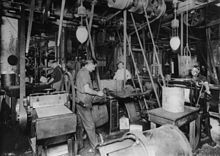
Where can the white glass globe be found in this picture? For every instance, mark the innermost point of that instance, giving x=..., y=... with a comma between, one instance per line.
x=175, y=42
x=81, y=34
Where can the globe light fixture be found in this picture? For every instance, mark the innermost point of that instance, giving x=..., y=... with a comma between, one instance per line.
x=175, y=42
x=82, y=34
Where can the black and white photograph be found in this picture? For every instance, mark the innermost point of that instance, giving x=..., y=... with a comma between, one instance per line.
x=110, y=78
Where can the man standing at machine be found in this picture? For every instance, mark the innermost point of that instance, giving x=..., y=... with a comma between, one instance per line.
x=85, y=95
x=56, y=79
x=197, y=77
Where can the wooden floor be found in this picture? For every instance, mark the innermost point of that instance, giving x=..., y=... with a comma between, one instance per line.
x=205, y=150
x=9, y=141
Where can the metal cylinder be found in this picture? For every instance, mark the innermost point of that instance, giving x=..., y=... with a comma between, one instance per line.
x=8, y=80
x=100, y=115
x=163, y=141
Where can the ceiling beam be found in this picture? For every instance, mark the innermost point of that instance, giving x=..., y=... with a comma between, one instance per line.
x=188, y=5
x=214, y=22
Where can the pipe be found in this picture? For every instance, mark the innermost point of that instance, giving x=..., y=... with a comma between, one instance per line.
x=125, y=45
x=181, y=33
x=61, y=22
x=30, y=21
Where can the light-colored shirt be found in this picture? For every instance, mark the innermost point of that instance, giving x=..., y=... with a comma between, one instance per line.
x=119, y=75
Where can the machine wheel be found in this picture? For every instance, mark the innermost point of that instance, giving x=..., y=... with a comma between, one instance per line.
x=195, y=18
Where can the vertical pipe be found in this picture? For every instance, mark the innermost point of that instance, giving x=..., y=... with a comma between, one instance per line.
x=124, y=44
x=181, y=33
x=62, y=45
x=56, y=47
x=144, y=40
x=30, y=21
x=21, y=40
x=61, y=22
x=92, y=13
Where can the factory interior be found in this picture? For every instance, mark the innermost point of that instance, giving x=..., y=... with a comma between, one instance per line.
x=110, y=77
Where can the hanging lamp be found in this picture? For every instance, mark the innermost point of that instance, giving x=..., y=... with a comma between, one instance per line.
x=81, y=32
x=175, y=40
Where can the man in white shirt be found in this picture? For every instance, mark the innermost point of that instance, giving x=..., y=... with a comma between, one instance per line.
x=119, y=75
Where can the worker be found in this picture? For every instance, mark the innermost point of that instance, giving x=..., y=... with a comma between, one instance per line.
x=85, y=95
x=119, y=75
x=197, y=77
x=144, y=72
x=56, y=79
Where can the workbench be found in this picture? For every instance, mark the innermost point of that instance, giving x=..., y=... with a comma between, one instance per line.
x=125, y=94
x=189, y=116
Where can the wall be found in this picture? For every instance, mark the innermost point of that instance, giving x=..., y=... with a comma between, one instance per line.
x=9, y=35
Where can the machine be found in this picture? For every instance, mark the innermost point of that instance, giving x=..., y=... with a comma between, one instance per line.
x=47, y=120
x=166, y=140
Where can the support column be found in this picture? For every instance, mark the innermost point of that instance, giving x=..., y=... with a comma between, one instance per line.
x=181, y=33
x=21, y=45
x=124, y=44
x=62, y=46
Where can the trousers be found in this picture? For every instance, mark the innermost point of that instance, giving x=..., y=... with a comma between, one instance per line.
x=88, y=123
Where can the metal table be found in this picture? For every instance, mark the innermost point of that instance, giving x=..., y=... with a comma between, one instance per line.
x=189, y=116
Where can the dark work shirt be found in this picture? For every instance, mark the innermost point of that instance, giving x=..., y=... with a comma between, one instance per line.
x=57, y=74
x=200, y=78
x=83, y=78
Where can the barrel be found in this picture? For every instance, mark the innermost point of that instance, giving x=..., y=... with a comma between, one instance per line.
x=8, y=80
x=166, y=140
x=173, y=99
x=100, y=115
